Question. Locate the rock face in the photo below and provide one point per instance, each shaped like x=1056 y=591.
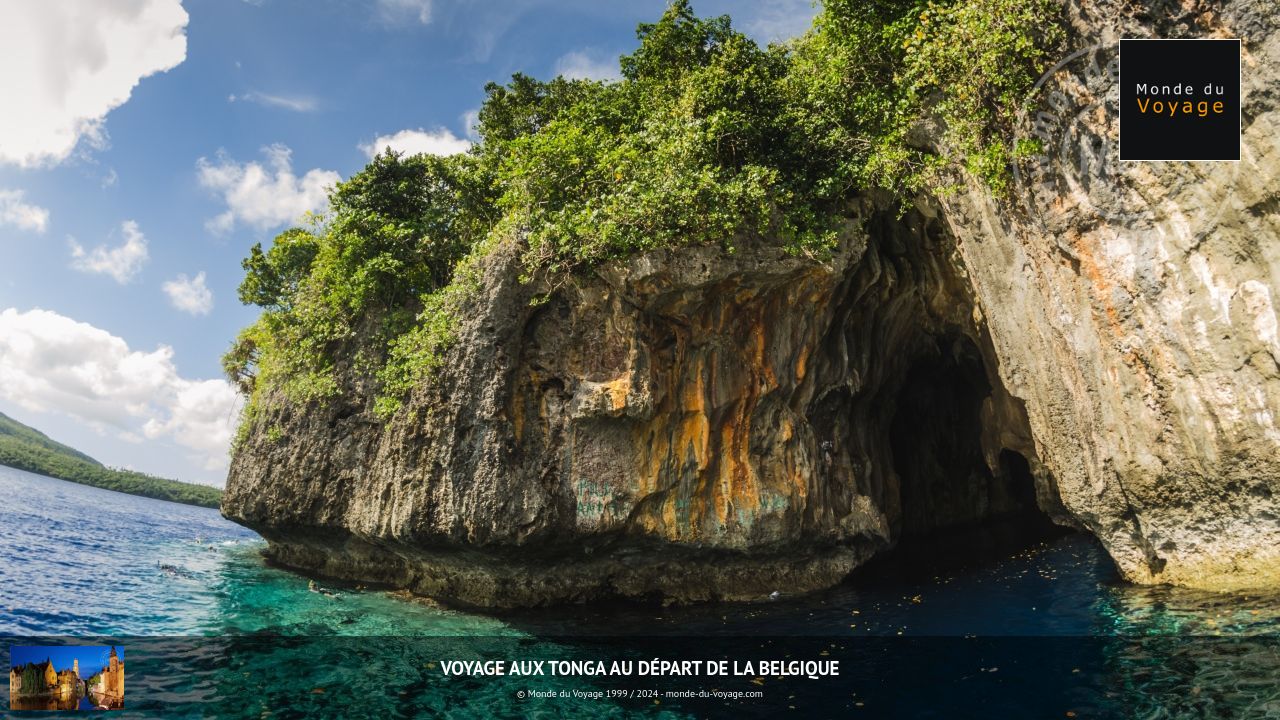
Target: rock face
x=691 y=424
x=1136 y=321
x=695 y=424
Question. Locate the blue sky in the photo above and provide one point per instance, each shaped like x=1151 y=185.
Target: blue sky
x=156 y=141
x=92 y=657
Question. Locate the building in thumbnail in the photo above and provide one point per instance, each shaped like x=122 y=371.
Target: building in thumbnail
x=69 y=679
x=111 y=679
x=32 y=678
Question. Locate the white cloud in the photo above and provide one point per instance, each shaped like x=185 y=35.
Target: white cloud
x=296 y=103
x=51 y=363
x=198 y=414
x=264 y=196
x=110 y=179
x=414 y=142
x=779 y=20
x=189 y=295
x=471 y=122
x=67 y=63
x=400 y=12
x=588 y=65
x=122 y=262
x=22 y=215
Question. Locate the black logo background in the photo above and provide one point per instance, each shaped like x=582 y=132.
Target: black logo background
x=1182 y=137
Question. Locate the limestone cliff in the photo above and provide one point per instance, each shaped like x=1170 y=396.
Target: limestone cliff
x=696 y=424
x=1134 y=318
x=689 y=424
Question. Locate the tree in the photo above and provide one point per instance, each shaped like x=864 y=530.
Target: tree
x=525 y=105
x=272 y=278
x=708 y=139
x=678 y=42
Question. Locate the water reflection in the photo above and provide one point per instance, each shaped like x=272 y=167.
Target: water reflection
x=67 y=698
x=1189 y=653
x=1159 y=610
x=104 y=700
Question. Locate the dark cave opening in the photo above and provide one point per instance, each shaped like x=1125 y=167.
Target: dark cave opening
x=935 y=436
x=1020 y=484
x=954 y=509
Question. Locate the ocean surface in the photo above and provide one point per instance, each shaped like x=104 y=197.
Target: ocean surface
x=1047 y=630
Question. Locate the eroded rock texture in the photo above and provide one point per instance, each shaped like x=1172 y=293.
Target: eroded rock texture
x=692 y=424
x=1135 y=318
x=695 y=424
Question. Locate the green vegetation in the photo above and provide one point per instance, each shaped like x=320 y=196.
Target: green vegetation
x=707 y=139
x=26 y=448
x=11 y=429
x=33 y=680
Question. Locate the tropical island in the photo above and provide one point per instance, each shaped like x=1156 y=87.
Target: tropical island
x=748 y=317
x=25 y=448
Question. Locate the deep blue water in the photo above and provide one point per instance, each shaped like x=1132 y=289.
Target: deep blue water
x=84 y=561
x=212 y=631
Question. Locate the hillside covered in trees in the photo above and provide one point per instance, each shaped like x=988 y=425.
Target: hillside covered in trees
x=26 y=448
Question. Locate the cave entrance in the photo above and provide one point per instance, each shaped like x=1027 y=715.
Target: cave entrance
x=953 y=506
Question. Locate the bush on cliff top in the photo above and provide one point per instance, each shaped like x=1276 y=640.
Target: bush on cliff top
x=707 y=138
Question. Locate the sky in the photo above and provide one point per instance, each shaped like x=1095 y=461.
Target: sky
x=146 y=145
x=92 y=657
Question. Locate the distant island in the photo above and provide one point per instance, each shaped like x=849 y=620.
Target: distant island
x=26 y=448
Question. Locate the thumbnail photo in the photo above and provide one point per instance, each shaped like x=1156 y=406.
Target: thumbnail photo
x=76 y=677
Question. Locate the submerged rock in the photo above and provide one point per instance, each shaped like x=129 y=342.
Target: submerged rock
x=694 y=424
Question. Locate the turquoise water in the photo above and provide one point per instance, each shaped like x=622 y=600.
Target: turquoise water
x=212 y=631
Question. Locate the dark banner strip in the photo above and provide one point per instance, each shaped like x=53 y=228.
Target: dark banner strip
x=738 y=677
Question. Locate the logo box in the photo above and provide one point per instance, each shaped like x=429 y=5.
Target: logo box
x=1180 y=99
